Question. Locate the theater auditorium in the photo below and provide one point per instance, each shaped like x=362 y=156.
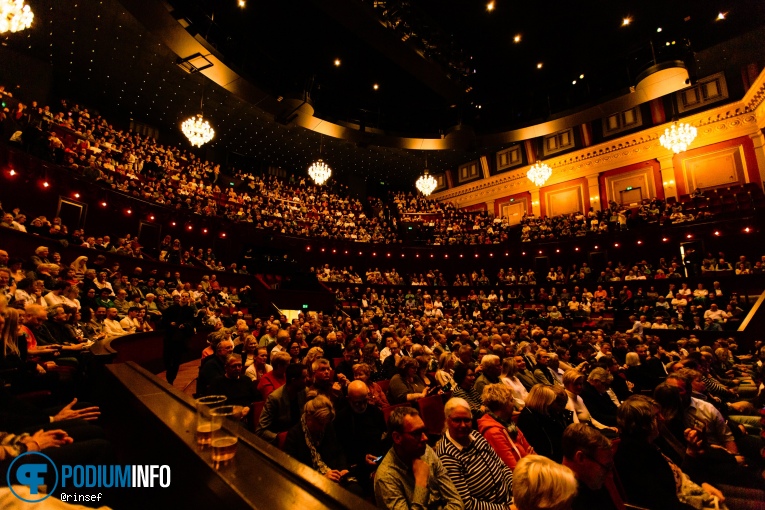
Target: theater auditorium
x=382 y=253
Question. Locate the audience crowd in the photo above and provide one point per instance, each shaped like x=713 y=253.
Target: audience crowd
x=423 y=401
x=137 y=165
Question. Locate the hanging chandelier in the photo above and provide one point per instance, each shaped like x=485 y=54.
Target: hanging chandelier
x=319 y=171
x=197 y=130
x=678 y=137
x=539 y=173
x=14 y=16
x=426 y=184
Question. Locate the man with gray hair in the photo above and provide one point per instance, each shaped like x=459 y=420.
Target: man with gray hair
x=482 y=479
x=491 y=369
x=411 y=475
x=598 y=397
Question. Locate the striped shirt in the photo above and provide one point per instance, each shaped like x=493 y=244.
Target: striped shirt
x=483 y=481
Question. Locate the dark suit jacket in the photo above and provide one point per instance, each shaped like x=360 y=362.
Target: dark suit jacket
x=601 y=407
x=277 y=414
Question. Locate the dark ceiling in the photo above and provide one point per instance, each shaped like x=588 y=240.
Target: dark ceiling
x=101 y=56
x=476 y=71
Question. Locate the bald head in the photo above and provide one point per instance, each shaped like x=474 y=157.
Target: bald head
x=357 y=390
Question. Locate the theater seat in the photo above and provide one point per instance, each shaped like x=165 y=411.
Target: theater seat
x=384 y=385
x=255 y=411
x=389 y=409
x=432 y=412
x=281 y=439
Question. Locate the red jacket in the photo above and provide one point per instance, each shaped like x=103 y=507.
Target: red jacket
x=508 y=450
x=269 y=383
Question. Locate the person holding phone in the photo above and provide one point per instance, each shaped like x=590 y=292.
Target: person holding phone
x=361 y=431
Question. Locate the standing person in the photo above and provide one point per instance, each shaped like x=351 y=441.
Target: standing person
x=178 y=321
x=411 y=475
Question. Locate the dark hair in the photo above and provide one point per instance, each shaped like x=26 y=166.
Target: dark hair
x=62 y=285
x=635 y=418
x=396 y=419
x=460 y=372
x=582 y=437
x=668 y=398
x=294 y=371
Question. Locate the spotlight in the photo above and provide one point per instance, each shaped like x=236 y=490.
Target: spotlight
x=45 y=184
x=76 y=195
x=130 y=211
x=13 y=172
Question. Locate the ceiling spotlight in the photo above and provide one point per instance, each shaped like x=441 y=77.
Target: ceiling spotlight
x=539 y=65
x=573 y=82
x=626 y=21
x=490 y=6
x=581 y=77
x=721 y=16
x=337 y=62
x=45 y=184
x=658 y=29
x=517 y=38
x=376 y=86
x=241 y=3
x=12 y=173
x=103 y=204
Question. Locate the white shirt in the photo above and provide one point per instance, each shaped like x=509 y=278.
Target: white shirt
x=252 y=371
x=113 y=329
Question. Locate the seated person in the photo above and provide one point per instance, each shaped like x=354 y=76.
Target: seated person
x=411 y=474
x=498 y=428
x=540 y=483
x=588 y=454
x=284 y=406
x=313 y=442
x=482 y=479
x=238 y=389
x=362 y=433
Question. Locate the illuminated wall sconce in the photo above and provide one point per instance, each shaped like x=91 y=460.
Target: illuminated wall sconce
x=668 y=183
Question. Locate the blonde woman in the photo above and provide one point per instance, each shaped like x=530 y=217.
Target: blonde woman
x=541 y=484
x=80 y=266
x=314 y=442
x=508 y=378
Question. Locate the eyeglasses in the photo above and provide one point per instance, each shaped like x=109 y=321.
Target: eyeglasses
x=606 y=467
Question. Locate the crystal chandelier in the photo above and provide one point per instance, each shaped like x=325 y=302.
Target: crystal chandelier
x=678 y=137
x=539 y=173
x=319 y=171
x=197 y=130
x=426 y=184
x=14 y=16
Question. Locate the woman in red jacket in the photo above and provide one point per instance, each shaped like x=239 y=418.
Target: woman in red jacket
x=497 y=427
